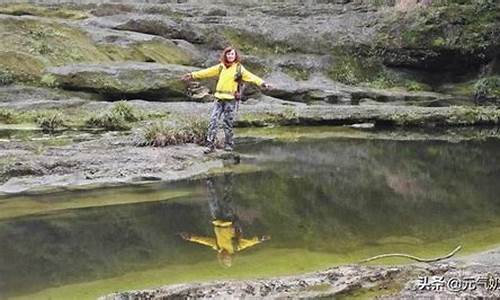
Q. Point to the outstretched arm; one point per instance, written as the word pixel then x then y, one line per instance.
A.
pixel 206 73
pixel 207 241
pixel 248 76
pixel 245 243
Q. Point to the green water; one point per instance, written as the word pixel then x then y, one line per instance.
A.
pixel 323 201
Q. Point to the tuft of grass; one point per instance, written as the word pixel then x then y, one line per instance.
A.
pixel 118 117
pixel 161 134
pixel 107 121
pixel 414 86
pixel 125 110
pixel 487 88
pixel 50 121
pixel 48 80
pixel 6 77
pixel 7 116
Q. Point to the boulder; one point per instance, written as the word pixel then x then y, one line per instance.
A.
pixel 116 81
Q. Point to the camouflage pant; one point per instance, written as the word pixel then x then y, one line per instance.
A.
pixel 220 202
pixel 227 108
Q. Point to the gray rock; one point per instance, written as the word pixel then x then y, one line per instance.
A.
pixel 149 24
pixel 24 98
pixel 320 88
pixel 124 80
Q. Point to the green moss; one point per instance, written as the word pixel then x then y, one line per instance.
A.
pixel 474 27
pixel 258 119
pixel 21 9
pixel 120 53
pixel 459 89
pixel 363 66
pixel 23 207
pixel 438 42
pixel 353 66
pixel 257 68
pixel 461 116
pixel 384 288
pixel 266 262
pixel 250 43
pixel 163 52
pixel 28 46
pixel 414 86
pixel 297 73
pixel 20 66
pixel 382 81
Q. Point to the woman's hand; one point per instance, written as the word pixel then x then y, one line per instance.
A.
pixel 187 77
pixel 185 235
pixel 265 238
pixel 267 86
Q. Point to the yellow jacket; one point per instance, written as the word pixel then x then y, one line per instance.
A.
pixel 226 85
pixel 225 238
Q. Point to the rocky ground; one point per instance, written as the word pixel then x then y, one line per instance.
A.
pixel 79 158
pixel 472 276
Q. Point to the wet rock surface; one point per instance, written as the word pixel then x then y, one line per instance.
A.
pixel 445 279
pixel 112 159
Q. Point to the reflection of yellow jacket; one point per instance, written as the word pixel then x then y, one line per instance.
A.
pixel 226 85
pixel 225 238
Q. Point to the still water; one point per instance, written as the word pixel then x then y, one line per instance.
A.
pixel 310 204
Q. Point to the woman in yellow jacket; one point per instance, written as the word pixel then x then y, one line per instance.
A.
pixel 226 93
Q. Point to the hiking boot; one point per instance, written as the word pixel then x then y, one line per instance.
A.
pixel 209 149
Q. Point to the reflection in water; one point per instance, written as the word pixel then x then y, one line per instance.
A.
pixel 226 224
pixel 323 202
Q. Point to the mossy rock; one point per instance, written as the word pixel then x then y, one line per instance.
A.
pixel 23 9
pixel 296 73
pixel 51 42
pixel 251 43
pixel 160 51
pixel 21 66
pixel 28 45
pixel 124 80
pixel 457 37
